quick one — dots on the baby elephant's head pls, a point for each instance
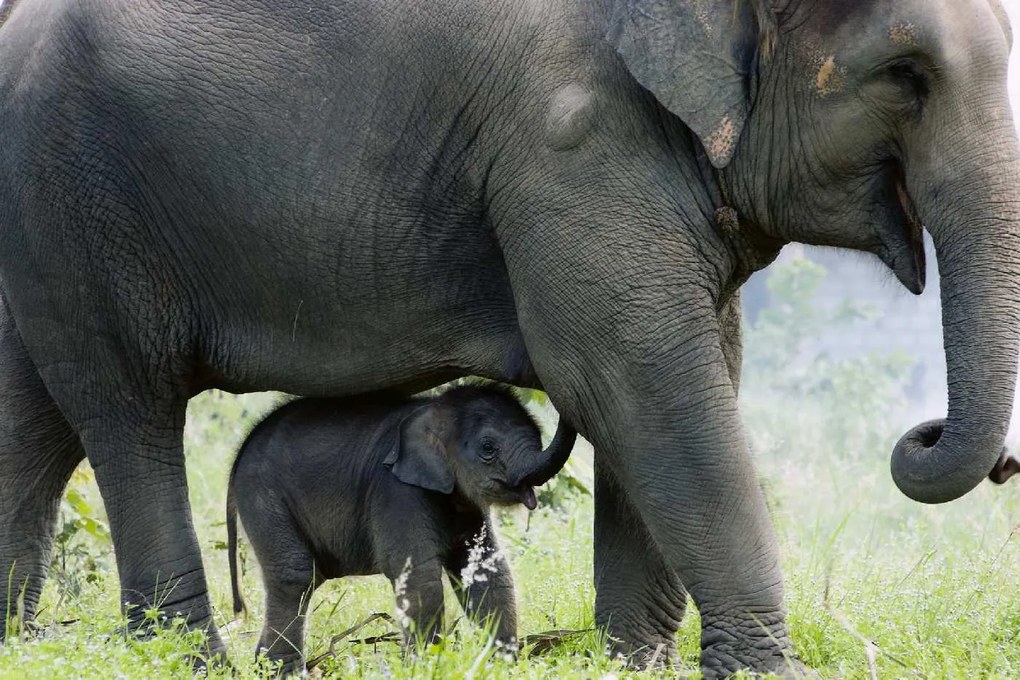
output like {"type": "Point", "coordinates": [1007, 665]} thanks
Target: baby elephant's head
{"type": "Point", "coordinates": [480, 441]}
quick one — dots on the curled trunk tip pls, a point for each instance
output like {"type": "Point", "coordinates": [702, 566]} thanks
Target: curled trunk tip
{"type": "Point", "coordinates": [929, 465]}
{"type": "Point", "coordinates": [555, 456]}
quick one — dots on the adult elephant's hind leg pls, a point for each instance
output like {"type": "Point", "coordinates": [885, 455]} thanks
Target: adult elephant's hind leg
{"type": "Point", "coordinates": [38, 453]}
{"type": "Point", "coordinates": [138, 459]}
{"type": "Point", "coordinates": [639, 599]}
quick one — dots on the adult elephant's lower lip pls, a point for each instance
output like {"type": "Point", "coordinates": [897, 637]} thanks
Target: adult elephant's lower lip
{"type": "Point", "coordinates": [903, 243]}
{"type": "Point", "coordinates": [529, 499]}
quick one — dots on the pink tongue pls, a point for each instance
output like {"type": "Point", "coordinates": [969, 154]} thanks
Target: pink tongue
{"type": "Point", "coordinates": [528, 498]}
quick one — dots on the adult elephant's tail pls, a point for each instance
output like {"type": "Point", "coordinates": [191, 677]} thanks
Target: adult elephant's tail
{"type": "Point", "coordinates": [235, 584]}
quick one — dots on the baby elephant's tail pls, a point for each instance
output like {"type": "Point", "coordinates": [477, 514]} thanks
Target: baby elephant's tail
{"type": "Point", "coordinates": [235, 584]}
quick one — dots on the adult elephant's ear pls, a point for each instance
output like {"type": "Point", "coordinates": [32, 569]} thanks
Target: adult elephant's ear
{"type": "Point", "coordinates": [696, 57]}
{"type": "Point", "coordinates": [419, 456]}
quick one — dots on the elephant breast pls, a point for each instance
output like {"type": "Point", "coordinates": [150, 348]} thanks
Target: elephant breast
{"type": "Point", "coordinates": [570, 116]}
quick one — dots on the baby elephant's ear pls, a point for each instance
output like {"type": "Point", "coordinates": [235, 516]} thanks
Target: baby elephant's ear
{"type": "Point", "coordinates": [419, 456]}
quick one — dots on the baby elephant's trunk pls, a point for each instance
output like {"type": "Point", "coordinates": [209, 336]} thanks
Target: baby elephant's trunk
{"type": "Point", "coordinates": [555, 456]}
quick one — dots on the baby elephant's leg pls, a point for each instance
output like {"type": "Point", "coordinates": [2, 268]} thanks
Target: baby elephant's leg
{"type": "Point", "coordinates": [485, 587]}
{"type": "Point", "coordinates": [289, 578]}
{"type": "Point", "coordinates": [418, 586]}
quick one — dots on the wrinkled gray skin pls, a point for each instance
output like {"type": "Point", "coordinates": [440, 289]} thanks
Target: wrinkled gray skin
{"type": "Point", "coordinates": [328, 198]}
{"type": "Point", "coordinates": [331, 487]}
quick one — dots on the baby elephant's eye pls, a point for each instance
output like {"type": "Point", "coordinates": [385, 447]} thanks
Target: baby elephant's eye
{"type": "Point", "coordinates": [488, 449]}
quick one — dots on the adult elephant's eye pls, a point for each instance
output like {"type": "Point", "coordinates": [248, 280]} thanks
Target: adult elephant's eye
{"type": "Point", "coordinates": [912, 78]}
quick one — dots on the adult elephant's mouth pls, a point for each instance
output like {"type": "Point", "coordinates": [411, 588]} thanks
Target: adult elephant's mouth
{"type": "Point", "coordinates": [902, 231]}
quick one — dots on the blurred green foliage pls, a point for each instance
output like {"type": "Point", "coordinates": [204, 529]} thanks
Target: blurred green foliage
{"type": "Point", "coordinates": [794, 381]}
{"type": "Point", "coordinates": [82, 548]}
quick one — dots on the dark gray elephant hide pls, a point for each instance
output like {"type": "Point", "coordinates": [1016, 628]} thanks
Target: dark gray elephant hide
{"type": "Point", "coordinates": [327, 198]}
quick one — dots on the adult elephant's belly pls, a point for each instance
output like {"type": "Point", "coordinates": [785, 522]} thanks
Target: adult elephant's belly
{"type": "Point", "coordinates": [343, 354]}
{"type": "Point", "coordinates": [342, 321]}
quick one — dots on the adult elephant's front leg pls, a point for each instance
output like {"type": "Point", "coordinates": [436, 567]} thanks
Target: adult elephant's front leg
{"type": "Point", "coordinates": [670, 433]}
{"type": "Point", "coordinates": [644, 602]}
{"type": "Point", "coordinates": [641, 601]}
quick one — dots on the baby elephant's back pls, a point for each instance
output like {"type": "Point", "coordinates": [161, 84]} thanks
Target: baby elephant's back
{"type": "Point", "coordinates": [315, 430]}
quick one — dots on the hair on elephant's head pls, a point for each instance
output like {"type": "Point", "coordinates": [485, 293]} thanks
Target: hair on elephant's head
{"type": "Point", "coordinates": [859, 124]}
{"type": "Point", "coordinates": [480, 442]}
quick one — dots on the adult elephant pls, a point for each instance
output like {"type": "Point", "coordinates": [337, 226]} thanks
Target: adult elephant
{"type": "Point", "coordinates": [326, 198]}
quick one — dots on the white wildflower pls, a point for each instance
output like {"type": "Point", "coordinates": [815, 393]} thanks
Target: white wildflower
{"type": "Point", "coordinates": [400, 591]}
{"type": "Point", "coordinates": [481, 559]}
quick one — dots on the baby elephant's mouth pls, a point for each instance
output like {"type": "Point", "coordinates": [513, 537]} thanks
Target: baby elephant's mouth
{"type": "Point", "coordinates": [528, 497]}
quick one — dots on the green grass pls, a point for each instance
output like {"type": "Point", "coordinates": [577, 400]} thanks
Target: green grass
{"type": "Point", "coordinates": [936, 588]}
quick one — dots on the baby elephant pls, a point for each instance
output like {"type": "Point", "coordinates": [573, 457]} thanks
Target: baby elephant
{"type": "Point", "coordinates": [399, 486]}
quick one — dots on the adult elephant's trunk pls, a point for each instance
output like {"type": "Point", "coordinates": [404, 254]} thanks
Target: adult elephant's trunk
{"type": "Point", "coordinates": [555, 456]}
{"type": "Point", "coordinates": [973, 220]}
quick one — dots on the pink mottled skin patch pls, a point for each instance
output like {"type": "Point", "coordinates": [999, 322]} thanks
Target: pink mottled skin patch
{"type": "Point", "coordinates": [702, 16]}
{"type": "Point", "coordinates": [904, 35]}
{"type": "Point", "coordinates": [829, 79]}
{"type": "Point", "coordinates": [720, 144]}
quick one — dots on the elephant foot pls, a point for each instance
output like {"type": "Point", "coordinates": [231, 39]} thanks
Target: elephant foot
{"type": "Point", "coordinates": [657, 654]}
{"type": "Point", "coordinates": [759, 648]}
{"type": "Point", "coordinates": [287, 664]}
{"type": "Point", "coordinates": [211, 653]}
{"type": "Point", "coordinates": [796, 670]}
{"type": "Point", "coordinates": [651, 659]}
{"type": "Point", "coordinates": [24, 628]}
{"type": "Point", "coordinates": [786, 668]}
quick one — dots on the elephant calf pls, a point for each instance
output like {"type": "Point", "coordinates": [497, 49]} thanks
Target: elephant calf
{"type": "Point", "coordinates": [329, 488]}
